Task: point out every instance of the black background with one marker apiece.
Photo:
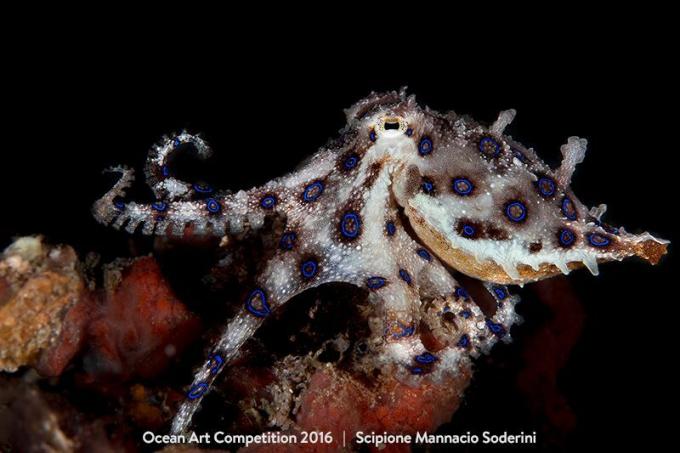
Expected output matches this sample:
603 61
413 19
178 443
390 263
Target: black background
75 107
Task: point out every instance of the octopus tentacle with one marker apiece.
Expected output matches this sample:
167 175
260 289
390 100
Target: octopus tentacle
239 329
158 177
107 208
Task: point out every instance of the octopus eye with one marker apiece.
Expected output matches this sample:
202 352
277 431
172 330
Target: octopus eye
404 275
375 282
425 146
568 208
409 132
546 186
159 206
213 206
516 211
392 125
256 303
312 191
462 186
287 241
489 147
464 341
268 201
598 240
350 225
566 237
309 269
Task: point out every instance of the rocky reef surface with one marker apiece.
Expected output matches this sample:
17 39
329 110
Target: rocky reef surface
93 355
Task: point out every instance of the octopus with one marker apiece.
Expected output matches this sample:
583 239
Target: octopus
405 197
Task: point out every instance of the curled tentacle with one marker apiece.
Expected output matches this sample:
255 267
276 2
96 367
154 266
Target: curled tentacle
202 216
158 177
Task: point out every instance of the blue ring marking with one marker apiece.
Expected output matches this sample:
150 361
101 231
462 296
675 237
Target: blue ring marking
496 328
258 295
165 171
416 370
350 225
427 186
375 282
268 201
313 191
513 216
519 155
288 240
501 292
468 230
461 293
426 358
568 208
598 240
566 237
202 188
425 146
309 268
466 184
118 203
176 142
487 144
390 228
409 132
351 161
197 390
218 363
371 135
213 206
403 273
159 206
407 331
464 341
546 186
424 254
466 314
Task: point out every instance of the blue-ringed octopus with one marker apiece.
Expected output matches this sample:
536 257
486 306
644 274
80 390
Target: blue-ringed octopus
401 198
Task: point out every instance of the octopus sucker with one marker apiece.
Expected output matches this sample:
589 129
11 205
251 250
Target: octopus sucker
405 195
